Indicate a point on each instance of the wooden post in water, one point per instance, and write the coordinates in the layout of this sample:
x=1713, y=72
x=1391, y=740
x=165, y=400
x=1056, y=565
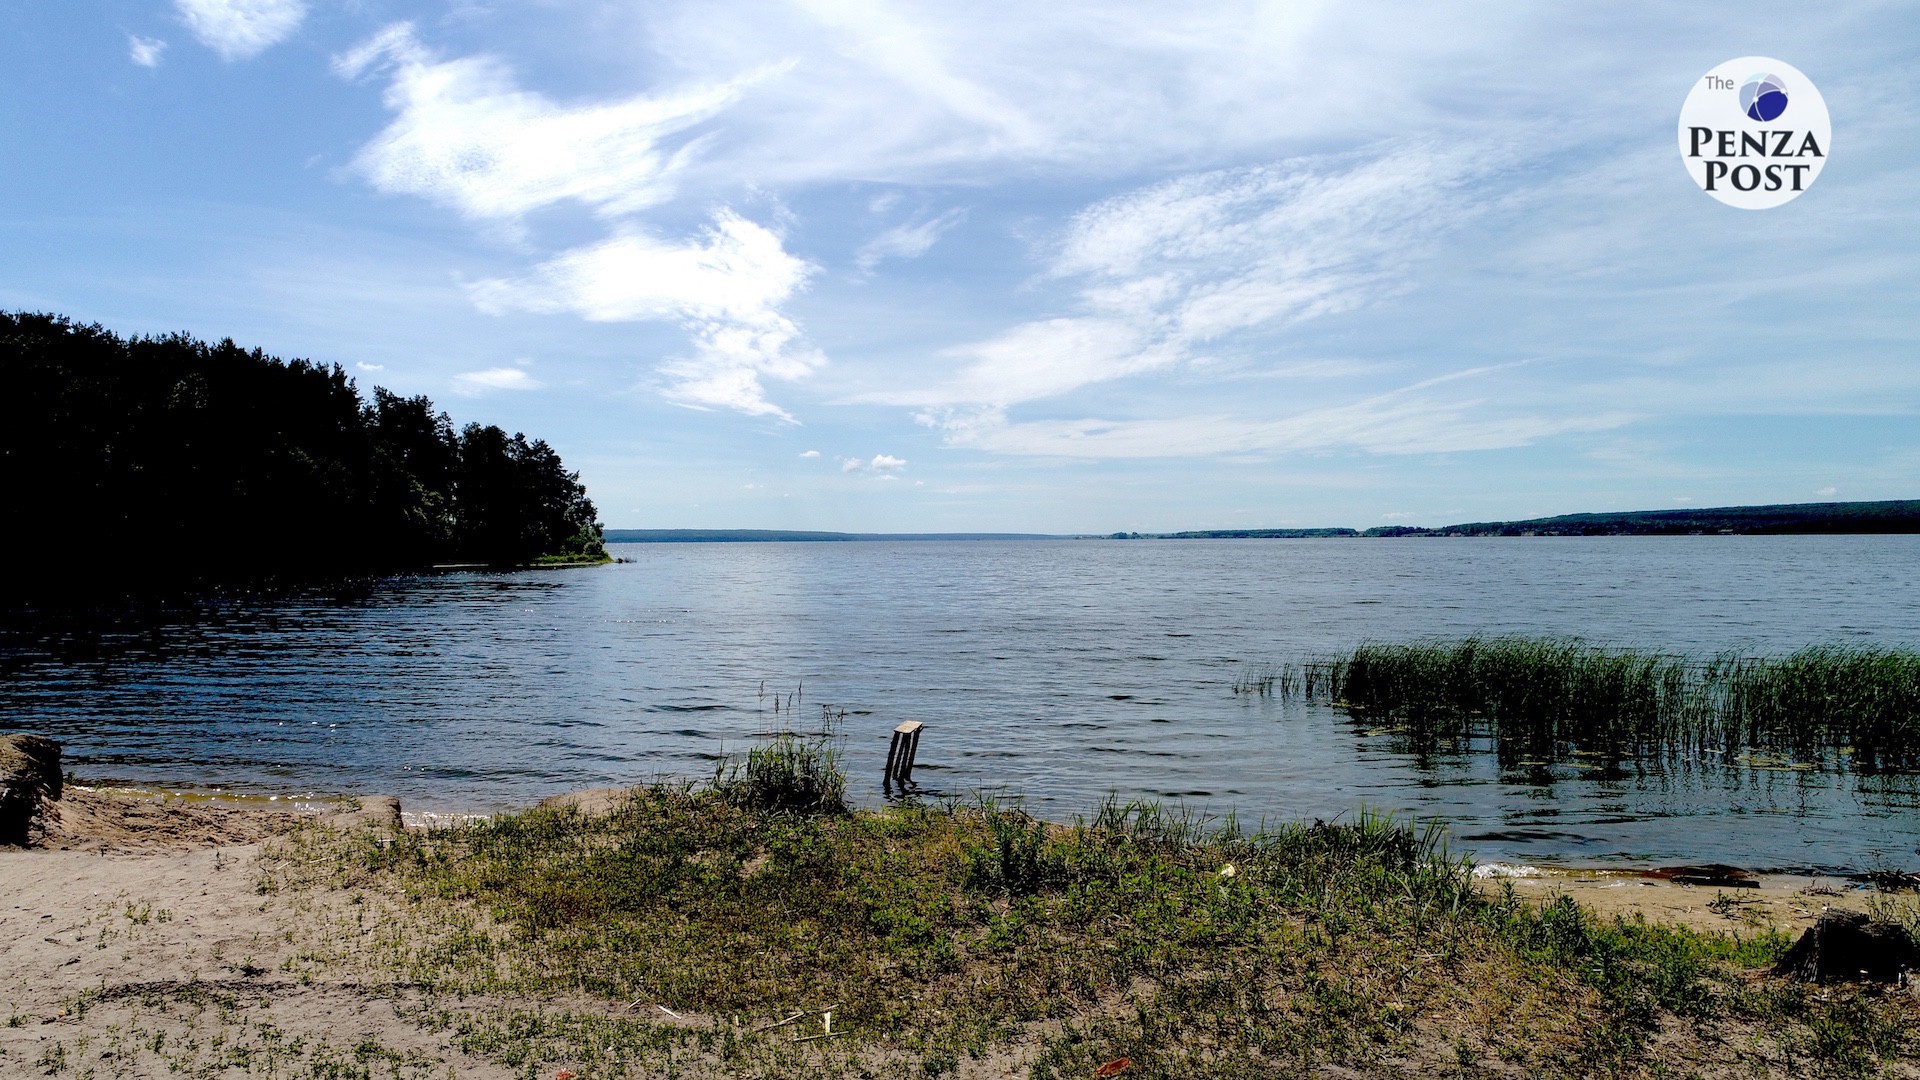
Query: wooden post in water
x=900, y=752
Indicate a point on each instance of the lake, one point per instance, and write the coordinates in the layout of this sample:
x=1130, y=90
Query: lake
x=1058, y=672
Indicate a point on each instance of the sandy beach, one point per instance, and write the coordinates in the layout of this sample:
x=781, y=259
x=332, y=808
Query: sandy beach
x=136, y=942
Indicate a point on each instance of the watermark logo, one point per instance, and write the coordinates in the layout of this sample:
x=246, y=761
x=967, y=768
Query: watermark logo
x=1763, y=98
x=1755, y=133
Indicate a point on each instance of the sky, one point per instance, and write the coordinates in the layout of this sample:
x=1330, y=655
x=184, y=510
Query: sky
x=1068, y=268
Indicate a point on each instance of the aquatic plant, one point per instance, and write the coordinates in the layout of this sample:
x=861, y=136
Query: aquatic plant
x=788, y=775
x=1543, y=699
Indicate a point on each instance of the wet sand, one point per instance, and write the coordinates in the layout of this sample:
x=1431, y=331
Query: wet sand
x=1785, y=902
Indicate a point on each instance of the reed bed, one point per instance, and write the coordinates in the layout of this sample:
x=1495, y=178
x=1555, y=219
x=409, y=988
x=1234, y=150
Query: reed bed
x=1545, y=699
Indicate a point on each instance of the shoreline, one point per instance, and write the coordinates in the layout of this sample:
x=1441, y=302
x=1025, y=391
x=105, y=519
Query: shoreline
x=653, y=932
x=447, y=810
x=127, y=819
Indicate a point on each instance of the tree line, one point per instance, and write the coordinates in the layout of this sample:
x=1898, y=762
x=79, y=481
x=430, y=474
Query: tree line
x=156, y=464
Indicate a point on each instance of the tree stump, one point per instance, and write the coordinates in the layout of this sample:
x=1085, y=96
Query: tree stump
x=1847, y=946
x=29, y=774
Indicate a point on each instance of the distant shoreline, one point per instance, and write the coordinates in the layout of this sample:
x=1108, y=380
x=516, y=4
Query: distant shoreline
x=1886, y=517
x=777, y=536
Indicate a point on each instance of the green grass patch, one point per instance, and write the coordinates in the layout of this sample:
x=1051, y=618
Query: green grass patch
x=596, y=558
x=944, y=935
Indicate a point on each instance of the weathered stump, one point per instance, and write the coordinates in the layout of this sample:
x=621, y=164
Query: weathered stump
x=29, y=776
x=1846, y=946
x=900, y=754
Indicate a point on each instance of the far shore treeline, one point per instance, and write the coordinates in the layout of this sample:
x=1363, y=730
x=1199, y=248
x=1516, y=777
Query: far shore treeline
x=1787, y=519
x=1783, y=519
x=167, y=464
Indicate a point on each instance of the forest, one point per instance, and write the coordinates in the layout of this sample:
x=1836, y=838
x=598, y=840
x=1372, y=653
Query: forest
x=1780, y=519
x=159, y=465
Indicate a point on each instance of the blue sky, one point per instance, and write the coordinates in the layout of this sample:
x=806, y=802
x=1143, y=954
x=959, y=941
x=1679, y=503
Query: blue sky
x=1061, y=268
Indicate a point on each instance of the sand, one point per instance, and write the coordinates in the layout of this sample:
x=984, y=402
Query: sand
x=1781, y=902
x=137, y=930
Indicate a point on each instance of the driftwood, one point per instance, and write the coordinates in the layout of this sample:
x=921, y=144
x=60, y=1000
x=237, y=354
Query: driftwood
x=1846, y=946
x=1713, y=875
x=29, y=777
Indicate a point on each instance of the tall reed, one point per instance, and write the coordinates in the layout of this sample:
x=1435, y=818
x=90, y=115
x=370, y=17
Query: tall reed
x=788, y=775
x=1542, y=699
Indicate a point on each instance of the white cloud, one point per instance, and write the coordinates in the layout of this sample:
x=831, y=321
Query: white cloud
x=473, y=383
x=809, y=453
x=1167, y=269
x=239, y=29
x=946, y=91
x=467, y=136
x=882, y=466
x=1044, y=359
x=1412, y=420
x=908, y=241
x=1827, y=492
x=145, y=51
x=724, y=288
x=1236, y=248
x=733, y=272
x=364, y=366
x=1236, y=272
x=838, y=90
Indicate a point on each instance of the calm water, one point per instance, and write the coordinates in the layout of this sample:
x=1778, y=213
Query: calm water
x=1056, y=671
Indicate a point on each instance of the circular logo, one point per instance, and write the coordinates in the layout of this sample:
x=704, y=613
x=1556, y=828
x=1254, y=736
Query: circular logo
x=1754, y=133
x=1763, y=98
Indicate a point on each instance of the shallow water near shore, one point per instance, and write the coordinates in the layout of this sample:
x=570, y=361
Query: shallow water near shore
x=1055, y=671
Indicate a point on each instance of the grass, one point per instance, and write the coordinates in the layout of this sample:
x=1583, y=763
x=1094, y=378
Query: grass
x=599, y=558
x=977, y=936
x=788, y=775
x=1544, y=699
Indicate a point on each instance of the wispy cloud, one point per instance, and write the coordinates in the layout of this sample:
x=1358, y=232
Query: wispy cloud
x=1305, y=164
x=725, y=287
x=474, y=383
x=1422, y=418
x=909, y=241
x=1168, y=269
x=239, y=29
x=1162, y=271
x=946, y=91
x=145, y=51
x=466, y=134
x=1221, y=251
